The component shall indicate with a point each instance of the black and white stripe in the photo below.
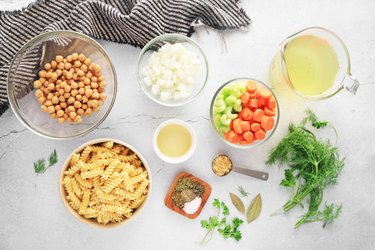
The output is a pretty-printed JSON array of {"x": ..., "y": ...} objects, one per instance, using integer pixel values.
[{"x": 133, "y": 22}]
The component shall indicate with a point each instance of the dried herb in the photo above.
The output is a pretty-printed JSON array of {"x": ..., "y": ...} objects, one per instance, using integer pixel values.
[
  {"x": 237, "y": 202},
  {"x": 185, "y": 191},
  {"x": 254, "y": 209},
  {"x": 40, "y": 165}
]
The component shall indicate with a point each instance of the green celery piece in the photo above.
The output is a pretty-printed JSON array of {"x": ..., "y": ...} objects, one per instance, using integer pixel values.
[
  {"x": 237, "y": 106},
  {"x": 225, "y": 120},
  {"x": 230, "y": 100}
]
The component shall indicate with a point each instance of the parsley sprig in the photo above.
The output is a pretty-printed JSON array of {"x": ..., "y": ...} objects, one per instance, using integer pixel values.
[
  {"x": 215, "y": 223},
  {"x": 40, "y": 165}
]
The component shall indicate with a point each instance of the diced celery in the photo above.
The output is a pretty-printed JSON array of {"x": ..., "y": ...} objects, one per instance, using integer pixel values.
[
  {"x": 225, "y": 120},
  {"x": 237, "y": 106},
  {"x": 230, "y": 100}
]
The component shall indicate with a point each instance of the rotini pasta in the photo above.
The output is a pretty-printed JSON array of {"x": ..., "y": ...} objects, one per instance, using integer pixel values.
[{"x": 106, "y": 182}]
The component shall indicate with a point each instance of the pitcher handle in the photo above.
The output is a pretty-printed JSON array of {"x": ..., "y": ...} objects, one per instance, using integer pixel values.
[{"x": 350, "y": 83}]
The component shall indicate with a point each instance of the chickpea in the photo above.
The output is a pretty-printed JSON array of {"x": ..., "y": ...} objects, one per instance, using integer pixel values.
[
  {"x": 71, "y": 109},
  {"x": 81, "y": 85},
  {"x": 48, "y": 103},
  {"x": 64, "y": 60},
  {"x": 103, "y": 96},
  {"x": 51, "y": 109},
  {"x": 57, "y": 108},
  {"x": 80, "y": 73},
  {"x": 42, "y": 74},
  {"x": 67, "y": 95},
  {"x": 81, "y": 91},
  {"x": 95, "y": 95},
  {"x": 89, "y": 75},
  {"x": 102, "y": 84},
  {"x": 63, "y": 105},
  {"x": 100, "y": 90},
  {"x": 54, "y": 64},
  {"x": 77, "y": 64},
  {"x": 78, "y": 119},
  {"x": 75, "y": 56},
  {"x": 42, "y": 80},
  {"x": 94, "y": 79},
  {"x": 74, "y": 85},
  {"x": 80, "y": 112},
  {"x": 67, "y": 66},
  {"x": 86, "y": 81},
  {"x": 49, "y": 96},
  {"x": 58, "y": 72},
  {"x": 46, "y": 91},
  {"x": 97, "y": 68},
  {"x": 77, "y": 104},
  {"x": 61, "y": 66},
  {"x": 75, "y": 77},
  {"x": 44, "y": 108},
  {"x": 42, "y": 100},
  {"x": 81, "y": 78},
  {"x": 100, "y": 78},
  {"x": 37, "y": 84},
  {"x": 88, "y": 112},
  {"x": 61, "y": 120},
  {"x": 38, "y": 93},
  {"x": 69, "y": 58},
  {"x": 87, "y": 61},
  {"x": 96, "y": 109},
  {"x": 51, "y": 86},
  {"x": 61, "y": 91},
  {"x": 67, "y": 88},
  {"x": 81, "y": 57},
  {"x": 65, "y": 116},
  {"x": 72, "y": 115},
  {"x": 84, "y": 106},
  {"x": 52, "y": 115},
  {"x": 84, "y": 68},
  {"x": 94, "y": 85},
  {"x": 55, "y": 100},
  {"x": 69, "y": 75},
  {"x": 84, "y": 100},
  {"x": 59, "y": 58},
  {"x": 62, "y": 99},
  {"x": 79, "y": 97},
  {"x": 47, "y": 66},
  {"x": 94, "y": 103},
  {"x": 69, "y": 120},
  {"x": 71, "y": 100},
  {"x": 74, "y": 92},
  {"x": 48, "y": 75}
]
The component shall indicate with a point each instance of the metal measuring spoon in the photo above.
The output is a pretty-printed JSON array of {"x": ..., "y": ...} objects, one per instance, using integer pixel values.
[{"x": 222, "y": 165}]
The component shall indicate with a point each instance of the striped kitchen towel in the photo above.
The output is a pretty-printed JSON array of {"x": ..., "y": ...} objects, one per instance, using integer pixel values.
[{"x": 133, "y": 22}]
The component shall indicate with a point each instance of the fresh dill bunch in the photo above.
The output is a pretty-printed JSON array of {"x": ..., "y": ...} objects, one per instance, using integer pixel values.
[{"x": 313, "y": 164}]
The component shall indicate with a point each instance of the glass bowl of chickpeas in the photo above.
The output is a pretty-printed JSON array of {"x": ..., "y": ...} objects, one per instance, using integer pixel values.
[{"x": 61, "y": 84}]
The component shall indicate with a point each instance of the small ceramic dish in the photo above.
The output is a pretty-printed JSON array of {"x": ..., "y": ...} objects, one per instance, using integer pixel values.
[
  {"x": 93, "y": 222},
  {"x": 170, "y": 204}
]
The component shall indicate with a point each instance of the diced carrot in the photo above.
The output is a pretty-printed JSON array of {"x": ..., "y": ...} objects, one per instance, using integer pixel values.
[
  {"x": 251, "y": 86},
  {"x": 271, "y": 103},
  {"x": 231, "y": 125},
  {"x": 258, "y": 115},
  {"x": 226, "y": 135},
  {"x": 237, "y": 126},
  {"x": 261, "y": 102},
  {"x": 253, "y": 95},
  {"x": 245, "y": 126},
  {"x": 244, "y": 142},
  {"x": 255, "y": 127},
  {"x": 267, "y": 123},
  {"x": 248, "y": 136},
  {"x": 245, "y": 96},
  {"x": 265, "y": 93},
  {"x": 260, "y": 135},
  {"x": 269, "y": 112},
  {"x": 233, "y": 137},
  {"x": 246, "y": 114},
  {"x": 253, "y": 103}
]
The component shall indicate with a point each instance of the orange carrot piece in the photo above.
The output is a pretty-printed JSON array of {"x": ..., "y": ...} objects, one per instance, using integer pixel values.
[
  {"x": 233, "y": 137},
  {"x": 253, "y": 103},
  {"x": 251, "y": 86},
  {"x": 255, "y": 127},
  {"x": 260, "y": 135},
  {"x": 261, "y": 102},
  {"x": 246, "y": 114},
  {"x": 245, "y": 98},
  {"x": 265, "y": 93},
  {"x": 267, "y": 123},
  {"x": 258, "y": 114},
  {"x": 237, "y": 126},
  {"x": 244, "y": 142},
  {"x": 248, "y": 136},
  {"x": 269, "y": 112},
  {"x": 231, "y": 125},
  {"x": 245, "y": 126},
  {"x": 271, "y": 103}
]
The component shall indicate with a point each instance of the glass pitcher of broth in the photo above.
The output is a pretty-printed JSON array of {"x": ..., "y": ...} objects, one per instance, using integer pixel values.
[{"x": 315, "y": 63}]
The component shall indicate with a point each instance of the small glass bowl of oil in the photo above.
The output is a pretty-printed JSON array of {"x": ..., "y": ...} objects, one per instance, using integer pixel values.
[{"x": 174, "y": 141}]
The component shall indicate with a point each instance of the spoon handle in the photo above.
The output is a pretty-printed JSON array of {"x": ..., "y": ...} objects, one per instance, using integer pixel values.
[{"x": 253, "y": 173}]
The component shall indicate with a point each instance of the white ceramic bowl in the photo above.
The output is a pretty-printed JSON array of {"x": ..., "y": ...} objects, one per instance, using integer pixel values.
[
  {"x": 92, "y": 222},
  {"x": 188, "y": 154}
]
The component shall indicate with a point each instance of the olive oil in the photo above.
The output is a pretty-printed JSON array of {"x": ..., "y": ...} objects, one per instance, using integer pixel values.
[
  {"x": 174, "y": 140},
  {"x": 312, "y": 64}
]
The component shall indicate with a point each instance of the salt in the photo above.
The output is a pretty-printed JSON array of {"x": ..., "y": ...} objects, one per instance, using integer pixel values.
[{"x": 192, "y": 206}]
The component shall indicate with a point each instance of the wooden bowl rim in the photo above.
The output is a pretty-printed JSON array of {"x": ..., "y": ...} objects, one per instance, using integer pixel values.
[{"x": 92, "y": 222}]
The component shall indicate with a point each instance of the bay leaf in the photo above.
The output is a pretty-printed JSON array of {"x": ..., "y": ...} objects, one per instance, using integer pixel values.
[
  {"x": 237, "y": 202},
  {"x": 254, "y": 209}
]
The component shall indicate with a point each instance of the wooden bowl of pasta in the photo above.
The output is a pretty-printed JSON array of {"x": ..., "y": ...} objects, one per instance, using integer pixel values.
[{"x": 105, "y": 183}]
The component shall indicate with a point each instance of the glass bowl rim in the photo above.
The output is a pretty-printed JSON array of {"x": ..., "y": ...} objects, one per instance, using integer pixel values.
[
  {"x": 267, "y": 136},
  {"x": 162, "y": 38},
  {"x": 13, "y": 102}
]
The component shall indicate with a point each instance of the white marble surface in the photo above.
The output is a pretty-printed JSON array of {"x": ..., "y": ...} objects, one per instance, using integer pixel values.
[{"x": 33, "y": 217}]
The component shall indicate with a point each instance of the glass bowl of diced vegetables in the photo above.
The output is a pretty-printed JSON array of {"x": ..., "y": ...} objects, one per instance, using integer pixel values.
[
  {"x": 244, "y": 112},
  {"x": 172, "y": 70}
]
